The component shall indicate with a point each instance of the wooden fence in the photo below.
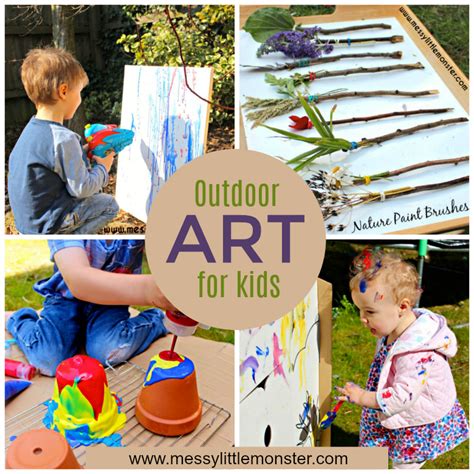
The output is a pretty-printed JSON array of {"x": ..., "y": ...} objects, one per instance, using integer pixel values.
[{"x": 32, "y": 28}]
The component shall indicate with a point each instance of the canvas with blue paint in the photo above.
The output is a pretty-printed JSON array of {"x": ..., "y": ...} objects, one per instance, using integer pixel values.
[{"x": 170, "y": 125}]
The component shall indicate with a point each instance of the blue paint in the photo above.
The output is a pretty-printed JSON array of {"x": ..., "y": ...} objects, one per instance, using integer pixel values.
[
  {"x": 189, "y": 134},
  {"x": 48, "y": 417},
  {"x": 14, "y": 387},
  {"x": 81, "y": 435},
  {"x": 363, "y": 286},
  {"x": 249, "y": 363},
  {"x": 158, "y": 374},
  {"x": 260, "y": 352}
]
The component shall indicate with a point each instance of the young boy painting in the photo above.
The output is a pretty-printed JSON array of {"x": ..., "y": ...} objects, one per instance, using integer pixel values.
[{"x": 52, "y": 186}]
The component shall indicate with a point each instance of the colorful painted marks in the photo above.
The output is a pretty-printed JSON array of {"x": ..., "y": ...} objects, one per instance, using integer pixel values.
[{"x": 170, "y": 126}]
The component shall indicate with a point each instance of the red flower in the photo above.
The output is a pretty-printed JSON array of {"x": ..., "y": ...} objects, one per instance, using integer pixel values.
[{"x": 300, "y": 123}]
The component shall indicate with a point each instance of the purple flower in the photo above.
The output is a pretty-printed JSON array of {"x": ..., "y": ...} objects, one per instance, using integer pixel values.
[{"x": 296, "y": 44}]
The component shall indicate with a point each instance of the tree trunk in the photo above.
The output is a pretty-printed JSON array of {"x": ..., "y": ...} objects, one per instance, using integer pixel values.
[{"x": 64, "y": 37}]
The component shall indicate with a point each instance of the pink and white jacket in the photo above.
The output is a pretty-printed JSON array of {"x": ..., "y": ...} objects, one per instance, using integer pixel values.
[{"x": 416, "y": 386}]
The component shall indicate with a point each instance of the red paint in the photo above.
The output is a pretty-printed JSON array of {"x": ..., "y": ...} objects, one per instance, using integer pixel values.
[
  {"x": 386, "y": 395},
  {"x": 175, "y": 338},
  {"x": 312, "y": 76},
  {"x": 98, "y": 138},
  {"x": 180, "y": 318},
  {"x": 92, "y": 379},
  {"x": 19, "y": 370},
  {"x": 367, "y": 262},
  {"x": 172, "y": 356},
  {"x": 338, "y": 405}
]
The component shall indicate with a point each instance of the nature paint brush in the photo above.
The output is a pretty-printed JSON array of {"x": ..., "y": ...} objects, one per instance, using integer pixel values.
[
  {"x": 333, "y": 203},
  {"x": 330, "y": 416},
  {"x": 288, "y": 85},
  {"x": 265, "y": 109},
  {"x": 297, "y": 44},
  {"x": 323, "y": 181},
  {"x": 267, "y": 21},
  {"x": 326, "y": 143},
  {"x": 304, "y": 123},
  {"x": 322, "y": 60}
]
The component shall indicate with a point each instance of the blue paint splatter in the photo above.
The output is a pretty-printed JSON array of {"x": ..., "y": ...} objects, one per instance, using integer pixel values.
[
  {"x": 158, "y": 374},
  {"x": 260, "y": 352},
  {"x": 363, "y": 286}
]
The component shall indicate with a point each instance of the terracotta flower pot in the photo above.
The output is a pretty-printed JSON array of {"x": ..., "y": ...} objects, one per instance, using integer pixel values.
[
  {"x": 41, "y": 449},
  {"x": 168, "y": 403}
]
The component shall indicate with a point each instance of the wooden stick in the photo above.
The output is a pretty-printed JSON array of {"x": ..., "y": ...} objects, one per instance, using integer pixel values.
[
  {"x": 312, "y": 76},
  {"x": 409, "y": 131},
  {"x": 418, "y": 189},
  {"x": 403, "y": 113},
  {"x": 269, "y": 108},
  {"x": 349, "y": 41},
  {"x": 326, "y": 59},
  {"x": 331, "y": 31},
  {"x": 407, "y": 169}
]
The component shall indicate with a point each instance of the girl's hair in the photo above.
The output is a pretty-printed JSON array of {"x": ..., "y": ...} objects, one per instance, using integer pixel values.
[{"x": 388, "y": 268}]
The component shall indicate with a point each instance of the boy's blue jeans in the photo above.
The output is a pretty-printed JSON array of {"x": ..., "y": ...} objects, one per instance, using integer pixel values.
[
  {"x": 108, "y": 333},
  {"x": 90, "y": 215}
]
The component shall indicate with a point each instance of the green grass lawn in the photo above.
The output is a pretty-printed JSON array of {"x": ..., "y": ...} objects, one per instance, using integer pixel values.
[
  {"x": 27, "y": 261},
  {"x": 351, "y": 362}
]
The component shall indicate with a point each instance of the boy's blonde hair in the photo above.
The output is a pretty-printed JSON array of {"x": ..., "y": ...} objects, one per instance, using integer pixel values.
[
  {"x": 45, "y": 69},
  {"x": 400, "y": 276}
]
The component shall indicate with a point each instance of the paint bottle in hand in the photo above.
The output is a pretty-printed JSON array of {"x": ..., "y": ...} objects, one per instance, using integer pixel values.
[{"x": 179, "y": 324}]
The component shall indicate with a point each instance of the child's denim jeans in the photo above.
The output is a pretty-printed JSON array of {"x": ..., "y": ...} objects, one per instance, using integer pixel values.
[
  {"x": 90, "y": 215},
  {"x": 108, "y": 333}
]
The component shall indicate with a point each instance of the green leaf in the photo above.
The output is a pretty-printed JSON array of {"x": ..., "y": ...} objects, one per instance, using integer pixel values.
[
  {"x": 291, "y": 135},
  {"x": 302, "y": 156},
  {"x": 265, "y": 22}
]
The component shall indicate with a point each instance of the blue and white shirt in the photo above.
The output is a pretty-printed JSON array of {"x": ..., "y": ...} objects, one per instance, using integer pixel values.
[
  {"x": 117, "y": 256},
  {"x": 48, "y": 173}
]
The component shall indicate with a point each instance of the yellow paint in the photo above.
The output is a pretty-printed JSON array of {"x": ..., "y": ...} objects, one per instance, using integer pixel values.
[
  {"x": 159, "y": 363},
  {"x": 74, "y": 410},
  {"x": 293, "y": 338}
]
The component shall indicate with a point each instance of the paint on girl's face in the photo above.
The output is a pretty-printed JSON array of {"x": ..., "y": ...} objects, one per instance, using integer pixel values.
[
  {"x": 161, "y": 369},
  {"x": 71, "y": 414},
  {"x": 378, "y": 297},
  {"x": 362, "y": 286}
]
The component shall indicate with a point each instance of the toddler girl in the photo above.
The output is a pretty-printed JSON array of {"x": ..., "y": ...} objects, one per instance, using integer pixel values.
[{"x": 410, "y": 403}]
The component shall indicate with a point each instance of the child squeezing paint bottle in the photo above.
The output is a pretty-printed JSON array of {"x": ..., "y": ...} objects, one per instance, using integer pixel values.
[
  {"x": 409, "y": 404},
  {"x": 86, "y": 305}
]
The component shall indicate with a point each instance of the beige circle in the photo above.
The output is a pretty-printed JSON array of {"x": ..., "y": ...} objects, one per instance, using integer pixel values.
[{"x": 269, "y": 188}]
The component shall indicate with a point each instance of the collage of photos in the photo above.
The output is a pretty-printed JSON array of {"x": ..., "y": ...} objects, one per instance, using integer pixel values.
[{"x": 368, "y": 104}]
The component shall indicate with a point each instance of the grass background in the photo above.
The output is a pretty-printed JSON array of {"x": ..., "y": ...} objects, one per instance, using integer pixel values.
[
  {"x": 449, "y": 24},
  {"x": 351, "y": 360},
  {"x": 27, "y": 261}
]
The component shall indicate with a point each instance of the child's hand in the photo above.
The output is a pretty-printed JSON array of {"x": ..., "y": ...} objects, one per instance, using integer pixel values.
[
  {"x": 107, "y": 161},
  {"x": 352, "y": 393}
]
